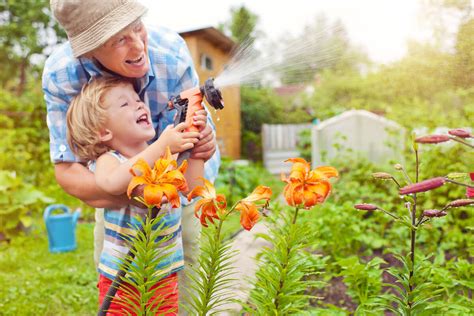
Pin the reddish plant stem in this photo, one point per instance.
(413, 230)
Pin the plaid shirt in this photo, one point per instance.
(171, 72)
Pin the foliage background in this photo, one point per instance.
(431, 86)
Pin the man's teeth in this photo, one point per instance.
(135, 61)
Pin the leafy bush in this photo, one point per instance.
(19, 201)
(25, 146)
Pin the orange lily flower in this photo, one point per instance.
(165, 179)
(306, 187)
(211, 204)
(249, 214)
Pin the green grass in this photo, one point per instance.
(37, 282)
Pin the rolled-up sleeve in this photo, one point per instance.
(57, 102)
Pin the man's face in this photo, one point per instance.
(126, 52)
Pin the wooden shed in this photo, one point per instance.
(211, 50)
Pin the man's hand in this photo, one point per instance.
(79, 182)
(206, 146)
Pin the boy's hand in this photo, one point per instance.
(177, 139)
(200, 119)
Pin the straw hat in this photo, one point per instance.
(90, 23)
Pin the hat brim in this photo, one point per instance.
(96, 35)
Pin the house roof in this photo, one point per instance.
(214, 36)
(289, 90)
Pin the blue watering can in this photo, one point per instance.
(61, 228)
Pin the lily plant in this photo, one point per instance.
(138, 278)
(281, 280)
(413, 292)
(212, 277)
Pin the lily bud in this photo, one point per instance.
(398, 166)
(456, 175)
(366, 207)
(382, 175)
(434, 213)
(432, 139)
(423, 186)
(458, 132)
(460, 203)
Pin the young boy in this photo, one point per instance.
(109, 126)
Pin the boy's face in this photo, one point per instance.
(128, 118)
(126, 52)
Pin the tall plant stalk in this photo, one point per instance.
(413, 288)
(413, 225)
(212, 276)
(281, 280)
(286, 260)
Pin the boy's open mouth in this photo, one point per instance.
(143, 119)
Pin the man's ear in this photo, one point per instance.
(105, 135)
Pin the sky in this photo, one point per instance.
(381, 27)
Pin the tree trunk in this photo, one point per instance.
(22, 83)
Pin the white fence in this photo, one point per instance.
(359, 131)
(279, 143)
(362, 132)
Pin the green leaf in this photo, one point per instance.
(26, 220)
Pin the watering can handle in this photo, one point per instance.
(76, 216)
(53, 207)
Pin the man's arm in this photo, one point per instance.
(79, 182)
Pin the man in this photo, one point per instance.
(108, 38)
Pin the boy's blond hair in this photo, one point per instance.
(87, 116)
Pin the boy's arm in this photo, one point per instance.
(194, 173)
(114, 177)
(79, 182)
(111, 175)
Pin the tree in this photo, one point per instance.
(322, 45)
(464, 56)
(242, 26)
(27, 31)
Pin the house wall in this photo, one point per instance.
(228, 119)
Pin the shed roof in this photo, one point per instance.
(214, 36)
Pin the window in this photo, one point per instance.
(206, 62)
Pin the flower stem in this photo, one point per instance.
(420, 220)
(389, 214)
(461, 141)
(209, 281)
(460, 183)
(284, 264)
(396, 182)
(295, 216)
(413, 230)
